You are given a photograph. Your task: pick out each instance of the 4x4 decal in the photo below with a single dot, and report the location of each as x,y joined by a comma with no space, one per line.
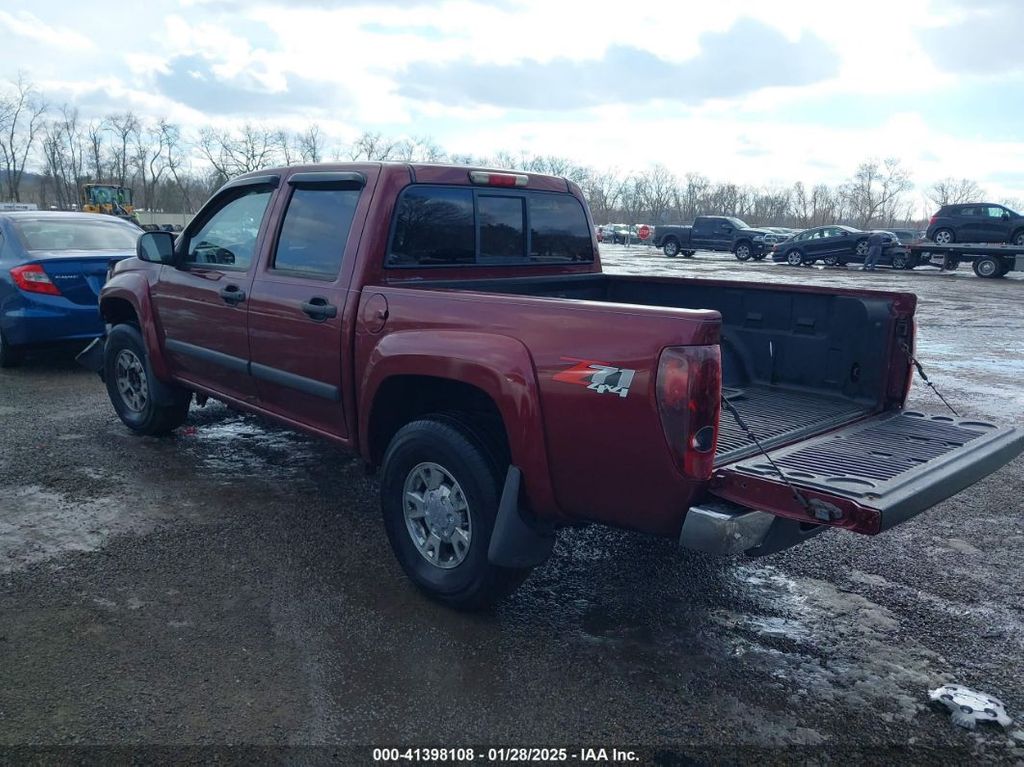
598,376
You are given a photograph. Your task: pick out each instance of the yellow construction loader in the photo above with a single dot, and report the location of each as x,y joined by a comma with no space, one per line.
111,199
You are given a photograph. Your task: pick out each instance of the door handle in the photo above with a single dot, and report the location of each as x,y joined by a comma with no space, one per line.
232,294
318,309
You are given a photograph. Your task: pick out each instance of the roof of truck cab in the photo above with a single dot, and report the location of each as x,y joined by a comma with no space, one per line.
421,173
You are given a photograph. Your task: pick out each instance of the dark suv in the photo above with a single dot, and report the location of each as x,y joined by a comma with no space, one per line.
976,222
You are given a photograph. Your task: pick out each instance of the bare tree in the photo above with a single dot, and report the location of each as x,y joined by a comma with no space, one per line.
124,127
876,191
232,153
21,120
311,144
372,147
951,191
658,189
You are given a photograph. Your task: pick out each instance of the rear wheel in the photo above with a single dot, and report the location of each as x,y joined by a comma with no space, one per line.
671,247
440,490
743,251
944,237
142,403
989,266
794,257
10,356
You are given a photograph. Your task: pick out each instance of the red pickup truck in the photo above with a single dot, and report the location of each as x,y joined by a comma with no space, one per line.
453,326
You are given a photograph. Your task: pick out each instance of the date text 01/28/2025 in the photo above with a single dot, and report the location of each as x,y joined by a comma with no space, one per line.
504,754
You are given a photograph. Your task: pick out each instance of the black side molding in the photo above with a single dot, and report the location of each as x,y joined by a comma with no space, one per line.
232,363
297,382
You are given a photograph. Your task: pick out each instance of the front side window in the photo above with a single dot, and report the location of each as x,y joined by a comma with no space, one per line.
228,238
315,230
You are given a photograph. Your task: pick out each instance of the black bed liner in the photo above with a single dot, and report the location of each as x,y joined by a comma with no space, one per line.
777,415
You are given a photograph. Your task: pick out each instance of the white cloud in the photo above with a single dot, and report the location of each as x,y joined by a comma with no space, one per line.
31,27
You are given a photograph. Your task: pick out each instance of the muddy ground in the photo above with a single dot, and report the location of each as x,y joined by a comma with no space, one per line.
233,585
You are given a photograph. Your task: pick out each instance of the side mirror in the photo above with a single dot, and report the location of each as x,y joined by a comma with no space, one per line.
155,247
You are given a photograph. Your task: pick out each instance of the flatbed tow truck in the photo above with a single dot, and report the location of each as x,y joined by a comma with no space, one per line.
987,259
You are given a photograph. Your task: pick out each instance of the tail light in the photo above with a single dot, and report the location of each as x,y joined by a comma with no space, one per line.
689,390
933,219
32,279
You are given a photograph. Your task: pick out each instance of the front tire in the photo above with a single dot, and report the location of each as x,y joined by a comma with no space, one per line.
901,261
861,248
743,252
143,404
671,247
440,490
10,356
1018,238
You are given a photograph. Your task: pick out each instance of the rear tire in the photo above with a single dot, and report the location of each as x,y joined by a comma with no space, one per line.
671,247
795,257
429,534
988,267
10,356
944,237
134,390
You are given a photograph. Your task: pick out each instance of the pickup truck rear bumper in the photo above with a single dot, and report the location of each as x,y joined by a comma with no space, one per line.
721,527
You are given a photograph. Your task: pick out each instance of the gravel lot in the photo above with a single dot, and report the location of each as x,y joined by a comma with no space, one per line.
233,585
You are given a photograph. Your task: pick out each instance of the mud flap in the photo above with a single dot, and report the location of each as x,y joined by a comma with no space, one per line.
91,357
873,474
514,542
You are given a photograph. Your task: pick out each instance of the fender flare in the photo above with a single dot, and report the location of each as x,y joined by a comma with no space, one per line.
500,366
134,289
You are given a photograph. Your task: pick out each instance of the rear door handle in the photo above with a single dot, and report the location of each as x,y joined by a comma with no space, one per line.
232,294
318,309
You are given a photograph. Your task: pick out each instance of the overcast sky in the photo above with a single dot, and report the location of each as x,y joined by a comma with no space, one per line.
740,90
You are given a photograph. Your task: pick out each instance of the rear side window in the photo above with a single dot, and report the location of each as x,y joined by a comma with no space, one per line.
315,230
434,227
459,226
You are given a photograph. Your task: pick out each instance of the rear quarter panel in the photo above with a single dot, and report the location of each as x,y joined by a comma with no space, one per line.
585,455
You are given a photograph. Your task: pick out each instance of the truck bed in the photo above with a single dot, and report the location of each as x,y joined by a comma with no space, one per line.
777,415
795,362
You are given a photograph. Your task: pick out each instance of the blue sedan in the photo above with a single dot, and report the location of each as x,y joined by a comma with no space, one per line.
52,266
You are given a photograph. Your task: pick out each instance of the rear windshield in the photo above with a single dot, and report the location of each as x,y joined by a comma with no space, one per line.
460,226
76,234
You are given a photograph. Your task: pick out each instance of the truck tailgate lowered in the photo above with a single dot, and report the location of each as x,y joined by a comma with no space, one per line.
872,474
